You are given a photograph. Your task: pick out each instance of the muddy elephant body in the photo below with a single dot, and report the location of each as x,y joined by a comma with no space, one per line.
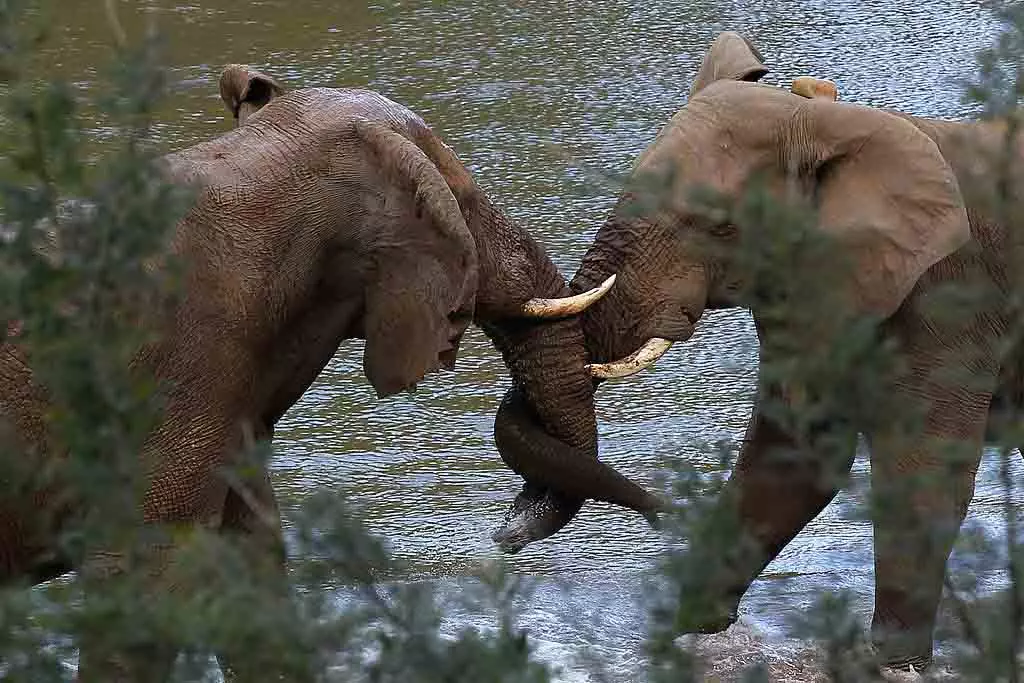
884,191
327,215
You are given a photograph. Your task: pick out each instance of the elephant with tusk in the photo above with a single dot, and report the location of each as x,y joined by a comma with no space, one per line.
554,407
904,202
328,214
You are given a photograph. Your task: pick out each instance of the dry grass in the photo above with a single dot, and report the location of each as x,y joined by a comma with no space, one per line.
729,656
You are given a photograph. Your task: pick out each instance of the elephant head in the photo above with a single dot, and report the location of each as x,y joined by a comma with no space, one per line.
879,187
475,265
245,91
876,184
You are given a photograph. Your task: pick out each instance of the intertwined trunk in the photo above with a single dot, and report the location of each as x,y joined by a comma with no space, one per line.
546,358
545,429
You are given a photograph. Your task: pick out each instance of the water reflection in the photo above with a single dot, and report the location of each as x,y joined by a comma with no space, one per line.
547,102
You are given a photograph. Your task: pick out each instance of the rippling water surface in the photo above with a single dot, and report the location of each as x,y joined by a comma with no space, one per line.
546,104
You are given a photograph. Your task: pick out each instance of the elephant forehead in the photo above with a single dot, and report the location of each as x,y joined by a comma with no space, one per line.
298,133
712,143
751,114
745,93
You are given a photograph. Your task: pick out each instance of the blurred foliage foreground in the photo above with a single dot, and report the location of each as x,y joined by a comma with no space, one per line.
76,269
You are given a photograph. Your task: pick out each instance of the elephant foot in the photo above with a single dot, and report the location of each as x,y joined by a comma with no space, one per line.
909,668
717,625
901,649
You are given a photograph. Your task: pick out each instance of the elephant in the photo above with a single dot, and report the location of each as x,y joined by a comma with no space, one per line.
326,214
897,200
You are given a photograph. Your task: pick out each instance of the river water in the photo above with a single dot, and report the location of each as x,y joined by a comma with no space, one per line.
544,101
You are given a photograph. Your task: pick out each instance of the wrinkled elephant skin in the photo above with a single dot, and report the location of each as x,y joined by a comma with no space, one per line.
327,214
888,192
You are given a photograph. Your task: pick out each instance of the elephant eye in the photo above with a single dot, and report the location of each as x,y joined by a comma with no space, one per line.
722,230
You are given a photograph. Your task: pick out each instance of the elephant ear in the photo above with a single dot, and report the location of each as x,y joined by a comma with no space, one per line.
885,190
730,57
245,91
422,291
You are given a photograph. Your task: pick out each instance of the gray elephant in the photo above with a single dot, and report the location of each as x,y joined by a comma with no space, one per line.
886,189
327,214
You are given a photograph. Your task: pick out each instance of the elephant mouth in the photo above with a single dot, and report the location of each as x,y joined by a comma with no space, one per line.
678,328
677,325
447,354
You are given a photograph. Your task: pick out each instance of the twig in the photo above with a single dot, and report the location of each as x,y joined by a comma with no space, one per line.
1004,208
239,487
235,483
115,24
963,614
1016,614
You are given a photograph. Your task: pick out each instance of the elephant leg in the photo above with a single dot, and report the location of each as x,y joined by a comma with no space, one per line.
252,517
150,563
922,483
101,661
776,488
925,453
251,511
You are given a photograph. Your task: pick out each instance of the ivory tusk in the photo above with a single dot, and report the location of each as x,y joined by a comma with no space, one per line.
811,87
651,351
569,305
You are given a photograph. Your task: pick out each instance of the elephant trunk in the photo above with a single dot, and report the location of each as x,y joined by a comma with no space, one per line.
607,325
536,456
545,428
552,432
636,323
547,431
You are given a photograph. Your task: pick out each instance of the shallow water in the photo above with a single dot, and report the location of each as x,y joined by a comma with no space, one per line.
543,104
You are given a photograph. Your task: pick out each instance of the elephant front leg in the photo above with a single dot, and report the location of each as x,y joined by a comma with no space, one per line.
165,560
922,482
111,654
252,520
779,484
925,451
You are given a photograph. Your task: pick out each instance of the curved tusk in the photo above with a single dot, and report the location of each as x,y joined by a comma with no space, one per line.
569,305
811,87
651,351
